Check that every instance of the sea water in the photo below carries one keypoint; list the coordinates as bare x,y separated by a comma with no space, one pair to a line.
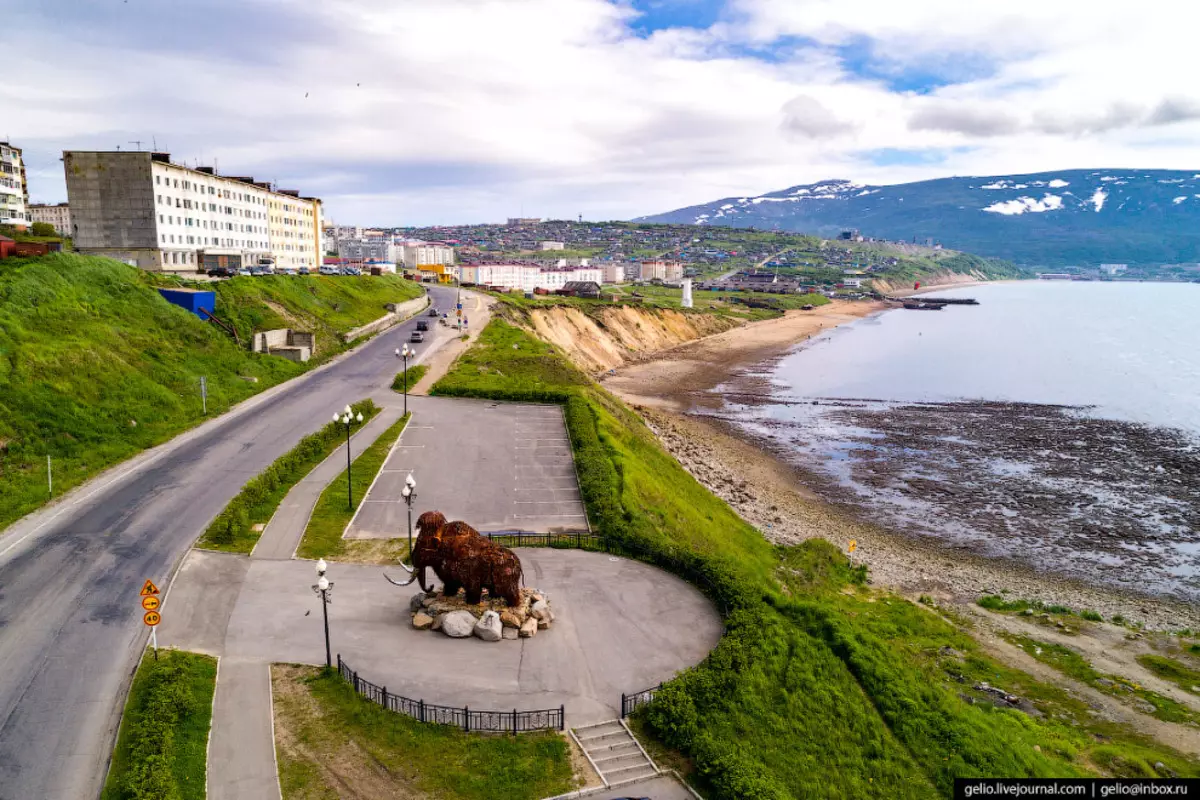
950,424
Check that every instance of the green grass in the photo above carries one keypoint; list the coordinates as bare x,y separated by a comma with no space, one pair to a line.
409,377
95,366
232,530
162,747
819,687
323,535
422,759
994,602
1183,675
326,305
1076,666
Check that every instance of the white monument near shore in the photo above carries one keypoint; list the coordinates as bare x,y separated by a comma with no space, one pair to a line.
686,302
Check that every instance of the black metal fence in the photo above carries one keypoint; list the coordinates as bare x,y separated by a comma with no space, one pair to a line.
488,721
578,539
632,702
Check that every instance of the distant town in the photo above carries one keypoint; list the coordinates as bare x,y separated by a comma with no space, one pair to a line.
142,208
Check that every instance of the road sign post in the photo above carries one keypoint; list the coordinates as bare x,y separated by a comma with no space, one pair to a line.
151,618
204,394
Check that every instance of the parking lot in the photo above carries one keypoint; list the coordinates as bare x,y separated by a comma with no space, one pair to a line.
497,467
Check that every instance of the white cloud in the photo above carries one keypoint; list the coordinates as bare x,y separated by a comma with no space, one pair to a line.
468,110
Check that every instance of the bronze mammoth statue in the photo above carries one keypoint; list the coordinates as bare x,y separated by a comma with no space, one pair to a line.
462,558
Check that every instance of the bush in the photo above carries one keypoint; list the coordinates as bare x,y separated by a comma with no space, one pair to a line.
42,229
232,530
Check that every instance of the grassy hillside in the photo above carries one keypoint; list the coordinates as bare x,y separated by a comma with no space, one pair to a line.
95,366
821,686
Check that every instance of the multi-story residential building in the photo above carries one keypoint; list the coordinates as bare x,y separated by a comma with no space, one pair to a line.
417,255
14,191
295,230
366,250
668,271
613,272
548,245
140,208
57,215
526,277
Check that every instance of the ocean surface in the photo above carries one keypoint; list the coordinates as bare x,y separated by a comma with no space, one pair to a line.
1056,423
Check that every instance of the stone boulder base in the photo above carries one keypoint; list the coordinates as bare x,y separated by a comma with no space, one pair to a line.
489,627
422,621
458,624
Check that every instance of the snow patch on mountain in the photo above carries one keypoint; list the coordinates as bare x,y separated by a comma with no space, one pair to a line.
1023,205
1058,183
1098,198
1179,200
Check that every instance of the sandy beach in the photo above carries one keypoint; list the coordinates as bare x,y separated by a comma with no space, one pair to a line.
673,379
668,390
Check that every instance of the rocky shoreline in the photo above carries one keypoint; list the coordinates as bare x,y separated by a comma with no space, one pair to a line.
769,494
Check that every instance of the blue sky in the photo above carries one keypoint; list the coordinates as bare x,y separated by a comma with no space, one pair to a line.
440,111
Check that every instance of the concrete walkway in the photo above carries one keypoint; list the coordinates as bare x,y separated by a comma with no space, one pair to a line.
285,530
241,748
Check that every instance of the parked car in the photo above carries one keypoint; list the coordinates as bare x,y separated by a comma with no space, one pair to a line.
222,272
417,337
286,271
433,312
245,272
351,271
256,271
329,269
302,271
422,325
265,269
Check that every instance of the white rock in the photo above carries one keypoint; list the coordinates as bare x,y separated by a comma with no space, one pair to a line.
489,628
458,624
540,610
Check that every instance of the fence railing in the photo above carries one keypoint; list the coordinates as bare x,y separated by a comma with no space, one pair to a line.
488,721
632,702
580,539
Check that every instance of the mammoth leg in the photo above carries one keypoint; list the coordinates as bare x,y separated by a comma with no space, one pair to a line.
474,594
450,588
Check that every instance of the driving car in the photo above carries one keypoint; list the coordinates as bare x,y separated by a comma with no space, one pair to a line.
422,325
433,312
417,336
302,271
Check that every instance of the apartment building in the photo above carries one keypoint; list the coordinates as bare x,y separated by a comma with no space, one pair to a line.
526,277
58,215
667,271
14,191
141,208
417,255
614,272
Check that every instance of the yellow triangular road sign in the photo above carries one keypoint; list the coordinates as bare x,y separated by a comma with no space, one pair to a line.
149,588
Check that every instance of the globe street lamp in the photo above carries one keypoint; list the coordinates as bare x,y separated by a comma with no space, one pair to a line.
347,418
324,588
409,493
406,354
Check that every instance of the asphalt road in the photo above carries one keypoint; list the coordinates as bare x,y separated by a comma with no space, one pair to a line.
70,619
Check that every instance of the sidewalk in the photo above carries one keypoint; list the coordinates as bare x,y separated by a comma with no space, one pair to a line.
241,747
286,528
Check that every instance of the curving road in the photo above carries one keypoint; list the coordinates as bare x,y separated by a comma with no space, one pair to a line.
70,618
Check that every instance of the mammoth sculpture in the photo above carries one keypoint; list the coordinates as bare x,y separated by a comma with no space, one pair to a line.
463,559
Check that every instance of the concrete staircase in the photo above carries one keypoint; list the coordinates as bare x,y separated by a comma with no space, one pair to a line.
614,753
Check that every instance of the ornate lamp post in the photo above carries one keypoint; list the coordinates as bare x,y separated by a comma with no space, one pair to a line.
347,418
406,354
409,493
324,588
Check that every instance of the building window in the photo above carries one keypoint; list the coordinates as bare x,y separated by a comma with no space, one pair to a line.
158,179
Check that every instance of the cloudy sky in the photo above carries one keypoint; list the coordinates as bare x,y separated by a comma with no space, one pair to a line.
407,112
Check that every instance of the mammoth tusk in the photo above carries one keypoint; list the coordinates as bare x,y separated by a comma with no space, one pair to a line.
406,568
412,577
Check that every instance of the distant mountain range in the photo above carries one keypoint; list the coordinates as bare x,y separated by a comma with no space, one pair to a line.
1068,217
